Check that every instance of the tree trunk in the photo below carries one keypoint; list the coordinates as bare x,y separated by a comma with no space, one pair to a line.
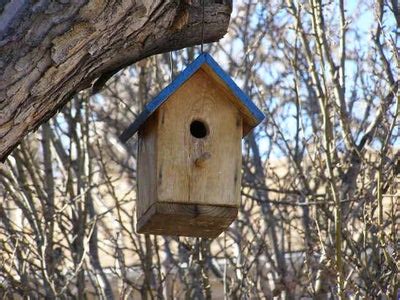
51,50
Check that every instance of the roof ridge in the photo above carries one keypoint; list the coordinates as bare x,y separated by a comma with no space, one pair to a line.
203,58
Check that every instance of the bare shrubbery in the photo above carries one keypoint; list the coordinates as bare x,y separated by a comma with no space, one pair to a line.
320,208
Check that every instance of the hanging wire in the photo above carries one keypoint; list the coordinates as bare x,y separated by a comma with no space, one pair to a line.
225,269
171,66
202,27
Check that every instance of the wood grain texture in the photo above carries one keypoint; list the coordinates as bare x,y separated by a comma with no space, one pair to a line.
249,122
147,165
188,185
207,221
180,180
51,50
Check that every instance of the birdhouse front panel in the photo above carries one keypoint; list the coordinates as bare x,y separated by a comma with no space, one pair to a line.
199,139
198,158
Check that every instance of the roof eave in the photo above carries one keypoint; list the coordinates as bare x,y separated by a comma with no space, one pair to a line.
255,116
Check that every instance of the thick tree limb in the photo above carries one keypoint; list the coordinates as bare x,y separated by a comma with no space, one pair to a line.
51,50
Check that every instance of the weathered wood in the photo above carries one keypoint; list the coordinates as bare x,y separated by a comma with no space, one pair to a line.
195,220
147,165
180,180
194,139
51,50
249,122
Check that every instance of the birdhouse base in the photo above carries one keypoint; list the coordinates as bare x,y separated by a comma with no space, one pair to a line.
193,220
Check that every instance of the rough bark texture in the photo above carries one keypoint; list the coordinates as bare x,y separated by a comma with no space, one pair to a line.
51,50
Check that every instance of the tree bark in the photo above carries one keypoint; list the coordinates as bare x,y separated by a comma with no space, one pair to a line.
51,50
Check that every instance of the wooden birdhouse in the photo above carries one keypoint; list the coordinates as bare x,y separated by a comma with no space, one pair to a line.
189,153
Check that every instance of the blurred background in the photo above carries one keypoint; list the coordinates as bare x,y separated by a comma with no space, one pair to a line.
320,211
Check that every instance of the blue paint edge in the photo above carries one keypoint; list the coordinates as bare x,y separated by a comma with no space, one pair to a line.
253,109
203,58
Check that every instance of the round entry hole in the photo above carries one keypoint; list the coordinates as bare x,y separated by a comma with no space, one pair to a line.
198,129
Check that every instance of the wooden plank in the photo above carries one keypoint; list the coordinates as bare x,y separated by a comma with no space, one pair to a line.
147,166
206,221
249,119
180,179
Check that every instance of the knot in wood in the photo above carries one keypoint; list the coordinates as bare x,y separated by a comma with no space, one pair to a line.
201,160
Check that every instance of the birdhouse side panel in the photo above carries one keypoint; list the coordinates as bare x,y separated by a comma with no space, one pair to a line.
199,145
147,165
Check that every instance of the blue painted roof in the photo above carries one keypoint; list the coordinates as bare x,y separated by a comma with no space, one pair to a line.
252,112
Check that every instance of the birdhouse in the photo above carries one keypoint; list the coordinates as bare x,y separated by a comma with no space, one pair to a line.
189,152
